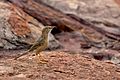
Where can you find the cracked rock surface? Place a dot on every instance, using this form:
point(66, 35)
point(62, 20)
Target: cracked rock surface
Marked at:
point(18, 29)
point(60, 66)
point(104, 14)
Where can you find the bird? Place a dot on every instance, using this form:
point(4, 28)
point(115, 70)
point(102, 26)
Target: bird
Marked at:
point(39, 45)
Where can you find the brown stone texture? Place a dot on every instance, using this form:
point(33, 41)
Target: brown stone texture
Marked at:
point(18, 29)
point(60, 66)
point(96, 57)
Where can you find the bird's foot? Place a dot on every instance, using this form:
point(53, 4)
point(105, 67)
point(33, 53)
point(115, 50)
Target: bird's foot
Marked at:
point(42, 60)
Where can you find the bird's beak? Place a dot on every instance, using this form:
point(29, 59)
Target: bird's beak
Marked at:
point(51, 27)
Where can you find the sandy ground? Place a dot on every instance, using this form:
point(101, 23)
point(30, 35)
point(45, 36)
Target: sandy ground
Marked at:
point(60, 66)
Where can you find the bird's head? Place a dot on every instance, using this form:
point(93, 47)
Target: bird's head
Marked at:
point(47, 29)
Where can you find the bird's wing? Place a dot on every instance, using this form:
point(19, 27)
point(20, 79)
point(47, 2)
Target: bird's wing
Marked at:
point(33, 47)
point(36, 44)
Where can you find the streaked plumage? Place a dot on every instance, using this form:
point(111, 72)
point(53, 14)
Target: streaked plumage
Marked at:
point(41, 44)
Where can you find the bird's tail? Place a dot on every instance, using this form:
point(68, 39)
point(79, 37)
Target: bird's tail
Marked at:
point(20, 55)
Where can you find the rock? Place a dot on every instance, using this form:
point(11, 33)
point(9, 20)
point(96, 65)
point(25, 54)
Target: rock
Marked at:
point(116, 59)
point(18, 29)
point(53, 44)
point(104, 14)
point(20, 75)
point(5, 69)
point(62, 66)
point(100, 9)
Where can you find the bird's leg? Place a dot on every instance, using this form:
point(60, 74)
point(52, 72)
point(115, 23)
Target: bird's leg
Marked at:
point(41, 58)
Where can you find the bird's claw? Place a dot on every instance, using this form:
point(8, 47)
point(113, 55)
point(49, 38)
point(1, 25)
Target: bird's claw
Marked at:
point(42, 60)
